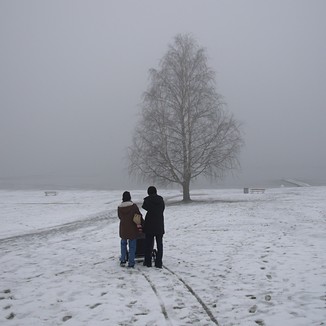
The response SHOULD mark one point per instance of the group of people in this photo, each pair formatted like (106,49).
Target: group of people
(152,226)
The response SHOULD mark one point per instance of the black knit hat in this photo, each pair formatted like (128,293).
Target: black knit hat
(126,196)
(151,190)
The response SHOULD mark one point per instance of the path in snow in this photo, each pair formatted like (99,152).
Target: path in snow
(43,257)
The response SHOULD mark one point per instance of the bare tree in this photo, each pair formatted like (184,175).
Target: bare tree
(184,130)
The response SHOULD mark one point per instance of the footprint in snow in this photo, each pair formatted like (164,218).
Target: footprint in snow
(11,316)
(131,303)
(253,309)
(95,305)
(250,296)
(268,297)
(65,318)
(8,291)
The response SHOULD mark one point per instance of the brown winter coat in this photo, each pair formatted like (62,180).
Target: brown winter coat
(128,229)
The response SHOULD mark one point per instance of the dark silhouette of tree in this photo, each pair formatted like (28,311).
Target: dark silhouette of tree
(185,130)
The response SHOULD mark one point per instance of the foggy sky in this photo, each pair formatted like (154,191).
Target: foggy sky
(72,74)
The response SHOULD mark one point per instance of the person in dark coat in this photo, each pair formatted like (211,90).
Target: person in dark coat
(153,226)
(128,230)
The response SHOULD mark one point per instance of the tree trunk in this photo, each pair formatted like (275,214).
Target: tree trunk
(186,191)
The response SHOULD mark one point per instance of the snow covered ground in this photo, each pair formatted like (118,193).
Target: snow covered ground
(230,259)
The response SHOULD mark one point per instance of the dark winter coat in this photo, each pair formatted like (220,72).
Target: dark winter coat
(154,219)
(128,229)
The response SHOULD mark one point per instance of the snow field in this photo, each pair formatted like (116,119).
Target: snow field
(230,259)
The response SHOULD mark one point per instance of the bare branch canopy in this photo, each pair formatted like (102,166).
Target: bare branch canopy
(185,130)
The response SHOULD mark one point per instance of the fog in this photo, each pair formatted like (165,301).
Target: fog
(72,74)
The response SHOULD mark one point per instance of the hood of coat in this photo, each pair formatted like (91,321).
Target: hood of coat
(125,205)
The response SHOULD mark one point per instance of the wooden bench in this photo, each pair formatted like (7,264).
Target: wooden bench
(50,193)
(257,190)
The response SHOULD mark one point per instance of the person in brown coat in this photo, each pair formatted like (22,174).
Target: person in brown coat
(128,230)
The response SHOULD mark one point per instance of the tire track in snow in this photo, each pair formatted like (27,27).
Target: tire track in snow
(163,308)
(189,289)
(92,221)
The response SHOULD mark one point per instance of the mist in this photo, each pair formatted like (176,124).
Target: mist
(72,74)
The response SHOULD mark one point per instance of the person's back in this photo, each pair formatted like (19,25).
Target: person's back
(126,212)
(154,222)
(128,230)
(154,226)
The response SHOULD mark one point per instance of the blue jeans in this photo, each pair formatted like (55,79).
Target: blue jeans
(132,251)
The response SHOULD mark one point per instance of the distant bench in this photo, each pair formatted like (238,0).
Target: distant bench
(257,190)
(50,193)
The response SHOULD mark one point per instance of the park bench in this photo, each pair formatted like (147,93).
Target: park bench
(257,190)
(50,193)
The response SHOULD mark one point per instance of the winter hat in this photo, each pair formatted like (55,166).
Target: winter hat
(126,196)
(151,190)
